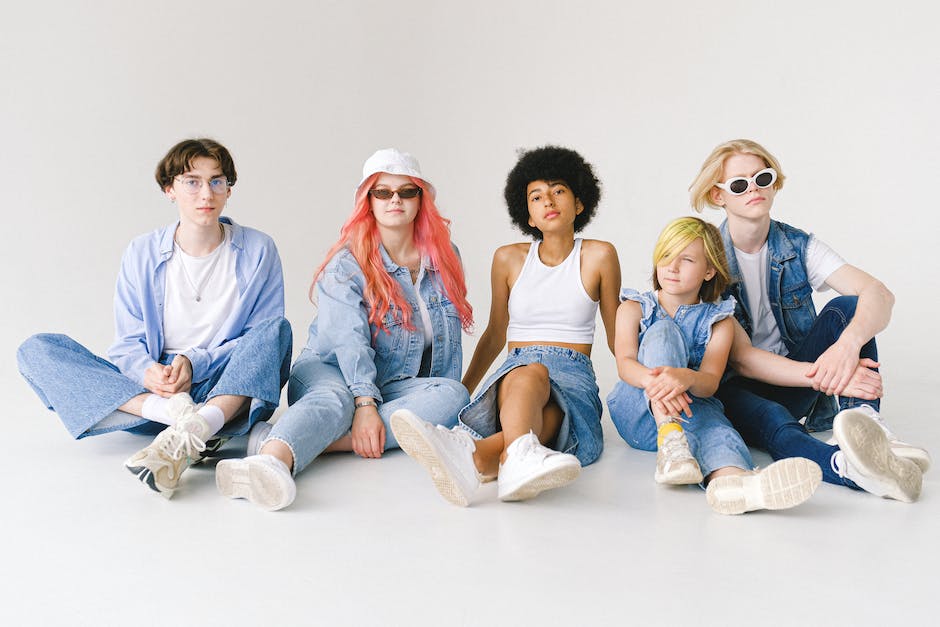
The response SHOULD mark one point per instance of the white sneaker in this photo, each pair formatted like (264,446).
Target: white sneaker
(899,447)
(675,464)
(447,455)
(262,479)
(180,406)
(175,449)
(783,484)
(867,458)
(531,468)
(256,437)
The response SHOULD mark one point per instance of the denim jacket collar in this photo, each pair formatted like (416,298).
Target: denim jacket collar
(779,246)
(781,249)
(391,266)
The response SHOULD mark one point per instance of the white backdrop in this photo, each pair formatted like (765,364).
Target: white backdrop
(844,93)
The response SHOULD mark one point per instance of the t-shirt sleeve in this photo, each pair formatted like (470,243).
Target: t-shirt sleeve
(821,262)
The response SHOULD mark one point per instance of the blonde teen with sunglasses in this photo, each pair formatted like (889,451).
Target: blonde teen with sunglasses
(775,269)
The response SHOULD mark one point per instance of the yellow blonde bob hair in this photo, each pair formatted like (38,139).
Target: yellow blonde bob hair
(680,233)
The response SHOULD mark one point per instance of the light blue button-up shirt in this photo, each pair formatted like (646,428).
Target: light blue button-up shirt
(141,287)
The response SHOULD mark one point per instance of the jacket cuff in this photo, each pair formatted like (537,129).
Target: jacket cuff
(366,389)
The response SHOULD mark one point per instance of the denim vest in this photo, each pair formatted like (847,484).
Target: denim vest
(790,295)
(694,321)
(369,357)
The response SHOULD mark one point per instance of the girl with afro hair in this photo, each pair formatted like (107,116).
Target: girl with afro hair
(536,420)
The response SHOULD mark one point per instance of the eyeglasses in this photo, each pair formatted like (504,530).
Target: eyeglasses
(403,192)
(193,184)
(740,184)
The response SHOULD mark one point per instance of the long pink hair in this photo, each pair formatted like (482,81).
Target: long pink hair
(360,234)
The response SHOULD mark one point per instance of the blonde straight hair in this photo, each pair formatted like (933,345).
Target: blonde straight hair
(710,174)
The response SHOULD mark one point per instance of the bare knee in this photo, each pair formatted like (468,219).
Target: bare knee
(533,376)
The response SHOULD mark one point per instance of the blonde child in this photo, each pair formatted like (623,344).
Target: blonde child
(671,347)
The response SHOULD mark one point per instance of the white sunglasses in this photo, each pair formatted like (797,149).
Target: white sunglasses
(740,184)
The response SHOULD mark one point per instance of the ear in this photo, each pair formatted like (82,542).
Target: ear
(578,206)
(715,194)
(710,273)
(170,194)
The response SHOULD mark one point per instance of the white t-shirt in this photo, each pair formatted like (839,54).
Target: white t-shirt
(821,262)
(423,308)
(188,322)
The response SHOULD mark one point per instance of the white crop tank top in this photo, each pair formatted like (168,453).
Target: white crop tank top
(549,304)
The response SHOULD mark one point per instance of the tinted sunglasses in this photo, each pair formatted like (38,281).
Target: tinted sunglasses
(740,184)
(403,192)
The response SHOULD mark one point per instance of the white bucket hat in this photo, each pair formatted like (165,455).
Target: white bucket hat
(393,161)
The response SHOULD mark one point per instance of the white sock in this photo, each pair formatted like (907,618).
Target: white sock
(154,408)
(213,417)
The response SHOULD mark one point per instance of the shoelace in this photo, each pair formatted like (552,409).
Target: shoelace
(169,446)
(531,446)
(189,444)
(675,447)
(179,442)
(449,434)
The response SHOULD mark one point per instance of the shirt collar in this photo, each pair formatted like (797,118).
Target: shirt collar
(166,237)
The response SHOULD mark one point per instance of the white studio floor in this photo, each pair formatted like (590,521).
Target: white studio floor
(372,543)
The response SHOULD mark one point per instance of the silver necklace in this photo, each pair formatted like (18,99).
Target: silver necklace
(197,290)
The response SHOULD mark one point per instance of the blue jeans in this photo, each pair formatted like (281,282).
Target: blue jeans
(712,440)
(321,406)
(86,390)
(768,415)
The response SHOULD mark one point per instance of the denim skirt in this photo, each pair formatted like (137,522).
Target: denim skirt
(574,388)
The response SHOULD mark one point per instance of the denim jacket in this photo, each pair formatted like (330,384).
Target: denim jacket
(341,334)
(789,293)
(139,299)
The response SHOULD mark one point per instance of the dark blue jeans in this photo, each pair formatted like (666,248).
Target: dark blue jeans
(767,415)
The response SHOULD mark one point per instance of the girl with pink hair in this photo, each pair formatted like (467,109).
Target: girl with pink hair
(391,303)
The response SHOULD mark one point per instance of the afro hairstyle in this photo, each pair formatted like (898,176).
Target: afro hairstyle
(551,163)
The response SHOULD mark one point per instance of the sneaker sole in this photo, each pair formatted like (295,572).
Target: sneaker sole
(548,480)
(257,483)
(917,455)
(691,475)
(867,448)
(784,484)
(902,449)
(411,440)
